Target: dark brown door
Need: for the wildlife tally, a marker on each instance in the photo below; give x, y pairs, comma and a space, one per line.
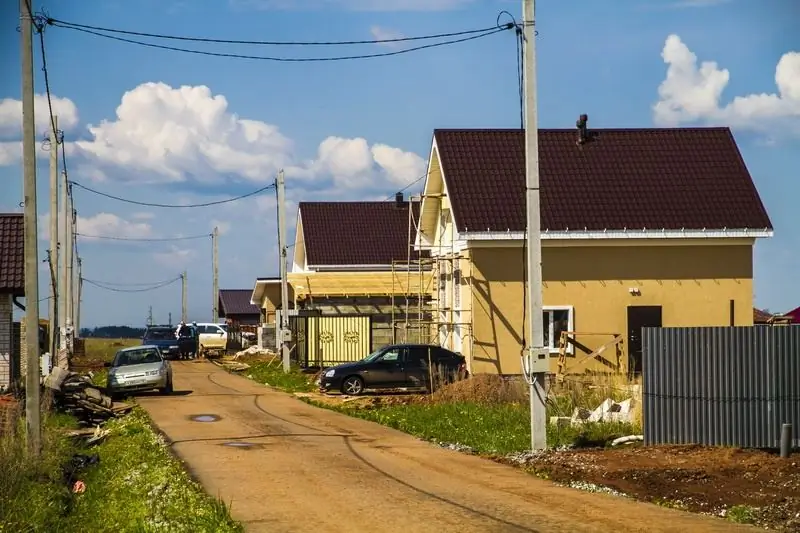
640, 316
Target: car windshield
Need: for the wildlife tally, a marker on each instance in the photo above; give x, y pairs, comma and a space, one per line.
159, 334
137, 357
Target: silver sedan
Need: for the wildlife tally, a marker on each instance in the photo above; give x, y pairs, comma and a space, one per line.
139, 368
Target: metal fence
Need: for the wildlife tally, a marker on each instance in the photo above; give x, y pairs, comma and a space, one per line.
330, 340
721, 386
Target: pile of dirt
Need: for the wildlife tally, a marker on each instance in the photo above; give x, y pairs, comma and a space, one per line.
484, 389
718, 481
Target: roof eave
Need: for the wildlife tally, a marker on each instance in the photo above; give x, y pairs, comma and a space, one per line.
704, 233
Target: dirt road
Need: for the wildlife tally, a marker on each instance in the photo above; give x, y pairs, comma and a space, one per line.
287, 467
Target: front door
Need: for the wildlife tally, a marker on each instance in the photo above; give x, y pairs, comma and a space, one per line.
640, 316
388, 370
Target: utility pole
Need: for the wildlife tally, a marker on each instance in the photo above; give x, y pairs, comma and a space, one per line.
169, 318
284, 325
63, 279
215, 273
55, 297
538, 360
68, 248
79, 289
184, 314
32, 408
150, 316
75, 260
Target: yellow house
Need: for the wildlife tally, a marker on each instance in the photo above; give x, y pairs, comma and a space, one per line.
640, 227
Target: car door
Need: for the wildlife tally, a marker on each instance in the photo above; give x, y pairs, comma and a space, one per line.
213, 337
416, 367
388, 370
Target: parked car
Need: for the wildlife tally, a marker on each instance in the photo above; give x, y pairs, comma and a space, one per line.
164, 338
139, 368
413, 366
212, 336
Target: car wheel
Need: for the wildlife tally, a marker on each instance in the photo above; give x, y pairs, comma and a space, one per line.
168, 389
353, 386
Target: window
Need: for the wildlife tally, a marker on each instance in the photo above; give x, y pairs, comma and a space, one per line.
557, 319
391, 356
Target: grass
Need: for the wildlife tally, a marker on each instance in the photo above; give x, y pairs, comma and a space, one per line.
271, 373
98, 351
486, 413
138, 486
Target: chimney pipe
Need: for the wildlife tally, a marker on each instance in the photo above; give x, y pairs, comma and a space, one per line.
398, 199
583, 134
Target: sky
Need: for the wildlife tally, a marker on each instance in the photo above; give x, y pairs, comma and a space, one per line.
160, 126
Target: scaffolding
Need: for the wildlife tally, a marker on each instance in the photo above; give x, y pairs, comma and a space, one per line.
431, 313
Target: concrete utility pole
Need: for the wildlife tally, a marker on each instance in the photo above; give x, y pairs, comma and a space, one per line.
32, 407
215, 287
150, 316
73, 293
63, 279
538, 360
284, 325
55, 296
184, 314
68, 249
79, 290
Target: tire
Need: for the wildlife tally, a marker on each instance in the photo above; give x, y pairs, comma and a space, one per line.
353, 386
168, 389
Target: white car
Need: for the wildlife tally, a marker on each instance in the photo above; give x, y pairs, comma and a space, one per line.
212, 336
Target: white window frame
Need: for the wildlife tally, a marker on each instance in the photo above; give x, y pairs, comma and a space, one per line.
550, 329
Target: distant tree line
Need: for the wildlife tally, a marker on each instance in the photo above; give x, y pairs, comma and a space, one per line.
113, 332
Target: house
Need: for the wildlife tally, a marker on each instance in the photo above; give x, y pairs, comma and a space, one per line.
355, 261
12, 286
761, 317
640, 227
235, 306
793, 316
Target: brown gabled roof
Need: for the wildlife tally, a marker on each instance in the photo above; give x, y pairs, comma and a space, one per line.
356, 233
683, 178
12, 253
236, 302
760, 316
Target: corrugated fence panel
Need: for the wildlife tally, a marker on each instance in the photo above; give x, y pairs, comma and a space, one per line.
721, 386
332, 340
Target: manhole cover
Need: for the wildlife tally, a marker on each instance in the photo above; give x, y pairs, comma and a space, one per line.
204, 418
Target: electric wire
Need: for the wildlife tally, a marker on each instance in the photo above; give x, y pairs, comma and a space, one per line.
293, 59
132, 284
144, 239
172, 206
117, 289
75, 25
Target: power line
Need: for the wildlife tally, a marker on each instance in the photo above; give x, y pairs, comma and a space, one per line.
391, 196
74, 25
144, 239
174, 206
116, 289
293, 59
132, 284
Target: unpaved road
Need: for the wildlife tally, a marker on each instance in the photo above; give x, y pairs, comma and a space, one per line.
311, 469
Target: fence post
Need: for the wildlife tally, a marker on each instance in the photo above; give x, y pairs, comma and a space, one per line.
786, 440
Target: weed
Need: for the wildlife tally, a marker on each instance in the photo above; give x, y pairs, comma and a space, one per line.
742, 514
271, 373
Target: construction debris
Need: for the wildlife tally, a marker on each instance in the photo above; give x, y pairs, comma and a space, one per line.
76, 394
228, 363
607, 411
255, 351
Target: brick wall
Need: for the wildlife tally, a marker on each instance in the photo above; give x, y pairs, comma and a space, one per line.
6, 340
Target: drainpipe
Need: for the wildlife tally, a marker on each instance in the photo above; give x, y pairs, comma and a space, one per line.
16, 302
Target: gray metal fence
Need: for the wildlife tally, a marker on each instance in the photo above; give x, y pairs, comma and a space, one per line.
721, 386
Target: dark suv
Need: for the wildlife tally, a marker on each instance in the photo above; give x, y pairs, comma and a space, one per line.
412, 366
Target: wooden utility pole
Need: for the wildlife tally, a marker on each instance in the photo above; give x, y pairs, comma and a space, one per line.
55, 296
215, 282
32, 383
537, 361
184, 313
284, 325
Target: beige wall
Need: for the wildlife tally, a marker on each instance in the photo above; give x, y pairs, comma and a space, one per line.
693, 283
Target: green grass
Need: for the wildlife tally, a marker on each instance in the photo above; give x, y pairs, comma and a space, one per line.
274, 376
742, 514
138, 486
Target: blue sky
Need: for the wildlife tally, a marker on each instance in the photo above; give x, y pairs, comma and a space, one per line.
362, 129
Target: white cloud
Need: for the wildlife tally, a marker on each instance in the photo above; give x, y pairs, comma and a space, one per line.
11, 115
383, 34
10, 153
143, 215
103, 224
353, 5
176, 257
692, 93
